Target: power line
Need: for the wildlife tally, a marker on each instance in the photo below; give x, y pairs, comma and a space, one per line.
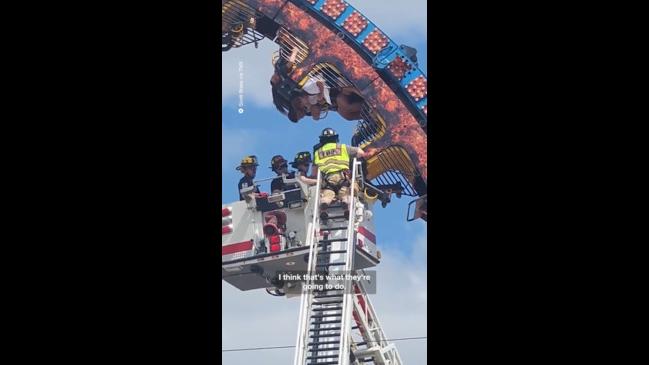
259, 348
290, 347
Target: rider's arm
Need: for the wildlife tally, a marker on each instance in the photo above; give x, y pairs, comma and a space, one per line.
321, 87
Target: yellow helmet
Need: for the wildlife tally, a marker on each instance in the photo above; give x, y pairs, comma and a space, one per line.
248, 161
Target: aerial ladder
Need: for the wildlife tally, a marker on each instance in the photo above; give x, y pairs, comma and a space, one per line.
331, 309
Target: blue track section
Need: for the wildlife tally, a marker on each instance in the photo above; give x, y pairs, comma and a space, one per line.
381, 60
344, 15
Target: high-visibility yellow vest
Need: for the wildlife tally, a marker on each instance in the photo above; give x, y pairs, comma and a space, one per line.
332, 157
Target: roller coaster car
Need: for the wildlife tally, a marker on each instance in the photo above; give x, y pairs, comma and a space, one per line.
242, 25
329, 73
393, 169
350, 103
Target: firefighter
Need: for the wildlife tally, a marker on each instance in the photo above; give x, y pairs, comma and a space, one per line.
280, 166
302, 162
248, 168
333, 160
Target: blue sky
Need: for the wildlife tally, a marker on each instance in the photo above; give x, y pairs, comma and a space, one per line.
261, 130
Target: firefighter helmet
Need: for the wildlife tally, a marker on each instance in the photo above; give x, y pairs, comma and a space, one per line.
328, 134
277, 161
248, 161
301, 157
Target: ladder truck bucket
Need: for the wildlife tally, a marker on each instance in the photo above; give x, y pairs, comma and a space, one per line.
265, 236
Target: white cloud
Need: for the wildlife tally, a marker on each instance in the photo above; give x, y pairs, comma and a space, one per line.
255, 319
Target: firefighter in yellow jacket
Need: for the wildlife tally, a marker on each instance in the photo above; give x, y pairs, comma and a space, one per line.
333, 160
